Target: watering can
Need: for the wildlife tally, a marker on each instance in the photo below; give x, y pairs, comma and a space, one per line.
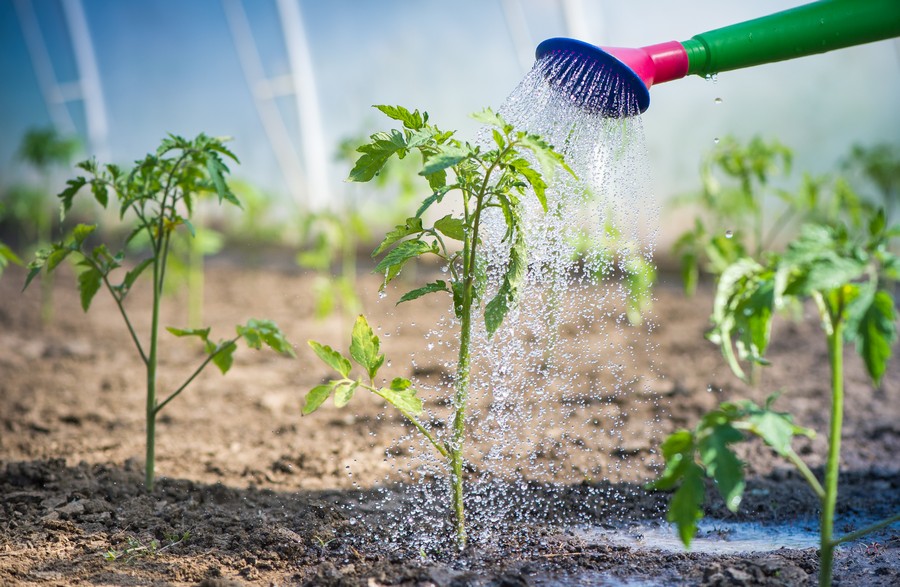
806, 30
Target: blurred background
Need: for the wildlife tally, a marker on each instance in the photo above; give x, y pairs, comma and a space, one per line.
291, 80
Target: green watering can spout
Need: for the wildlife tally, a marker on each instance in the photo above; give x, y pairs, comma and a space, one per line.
822, 26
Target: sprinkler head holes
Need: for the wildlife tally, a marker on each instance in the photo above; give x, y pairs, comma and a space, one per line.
592, 79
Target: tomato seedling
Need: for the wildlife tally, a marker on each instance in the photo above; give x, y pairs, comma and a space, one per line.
159, 193
849, 275
484, 177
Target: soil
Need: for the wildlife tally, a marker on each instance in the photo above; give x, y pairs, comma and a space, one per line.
248, 492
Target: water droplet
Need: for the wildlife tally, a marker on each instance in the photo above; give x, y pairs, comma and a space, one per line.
717, 101
716, 140
729, 234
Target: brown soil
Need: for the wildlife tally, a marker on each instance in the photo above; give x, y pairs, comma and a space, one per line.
269, 498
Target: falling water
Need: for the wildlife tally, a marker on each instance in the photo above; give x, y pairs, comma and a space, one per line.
561, 394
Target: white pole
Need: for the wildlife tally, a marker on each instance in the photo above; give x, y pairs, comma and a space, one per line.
89, 74
263, 92
312, 135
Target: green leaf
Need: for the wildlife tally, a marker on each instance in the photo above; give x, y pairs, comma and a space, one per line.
343, 392
534, 179
722, 464
131, 276
258, 332
316, 397
775, 428
404, 400
8, 256
223, 355
364, 347
685, 507
376, 154
99, 189
400, 384
399, 255
439, 285
452, 227
436, 197
496, 310
447, 156
81, 232
73, 186
876, 334
202, 333
332, 358
677, 449
489, 117
217, 171
89, 282
413, 225
411, 120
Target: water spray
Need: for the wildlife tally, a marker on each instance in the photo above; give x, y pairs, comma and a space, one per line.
615, 81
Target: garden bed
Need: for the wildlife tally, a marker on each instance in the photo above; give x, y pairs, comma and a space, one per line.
266, 496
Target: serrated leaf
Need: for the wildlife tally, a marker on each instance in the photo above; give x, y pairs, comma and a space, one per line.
81, 232
876, 334
399, 255
375, 154
364, 347
411, 120
223, 356
496, 310
131, 276
332, 358
315, 398
685, 507
722, 464
405, 400
258, 332
448, 156
343, 392
489, 117
89, 282
73, 186
202, 333
412, 225
451, 227
425, 289
400, 384
99, 190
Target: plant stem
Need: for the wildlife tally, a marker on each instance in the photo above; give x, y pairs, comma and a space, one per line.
149, 464
196, 372
462, 393
832, 467
795, 459
868, 529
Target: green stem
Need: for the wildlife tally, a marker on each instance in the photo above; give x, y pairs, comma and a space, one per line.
150, 462
196, 372
807, 474
868, 529
118, 299
832, 467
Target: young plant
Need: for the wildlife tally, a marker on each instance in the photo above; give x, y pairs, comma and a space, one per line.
334, 240
734, 208
159, 194
29, 205
495, 176
847, 274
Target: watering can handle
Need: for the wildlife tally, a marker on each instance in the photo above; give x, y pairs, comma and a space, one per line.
806, 30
